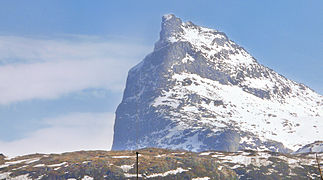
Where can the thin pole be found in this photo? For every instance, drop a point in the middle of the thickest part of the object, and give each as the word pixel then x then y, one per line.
pixel 137 109
pixel 319 166
pixel 137 162
pixel 137 128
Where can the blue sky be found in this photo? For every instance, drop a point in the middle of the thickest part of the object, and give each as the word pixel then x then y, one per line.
pixel 63 64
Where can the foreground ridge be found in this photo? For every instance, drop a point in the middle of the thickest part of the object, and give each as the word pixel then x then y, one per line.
pixel 161 164
pixel 198 90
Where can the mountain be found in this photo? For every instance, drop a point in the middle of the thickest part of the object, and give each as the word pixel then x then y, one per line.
pixel 198 90
pixel 161 164
pixel 315 147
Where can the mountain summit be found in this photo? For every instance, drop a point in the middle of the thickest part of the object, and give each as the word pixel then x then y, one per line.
pixel 198 90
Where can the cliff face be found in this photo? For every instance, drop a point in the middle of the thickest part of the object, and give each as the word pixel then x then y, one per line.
pixel 198 90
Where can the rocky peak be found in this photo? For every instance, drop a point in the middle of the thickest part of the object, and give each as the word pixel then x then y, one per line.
pixel 170 26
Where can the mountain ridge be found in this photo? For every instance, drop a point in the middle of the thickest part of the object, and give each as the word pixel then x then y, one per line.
pixel 168 17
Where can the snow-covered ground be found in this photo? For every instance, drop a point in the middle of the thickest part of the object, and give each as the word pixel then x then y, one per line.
pixel 293 124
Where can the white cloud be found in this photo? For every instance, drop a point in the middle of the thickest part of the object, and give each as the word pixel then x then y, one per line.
pixel 53 68
pixel 73 132
pixel 26 49
pixel 48 68
pixel 53 79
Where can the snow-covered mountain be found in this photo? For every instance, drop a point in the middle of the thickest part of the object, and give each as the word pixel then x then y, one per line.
pixel 315 147
pixel 199 90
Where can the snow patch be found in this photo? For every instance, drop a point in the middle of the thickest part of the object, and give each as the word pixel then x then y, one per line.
pixel 40 165
pixel 21 177
pixel 187 59
pixel 168 16
pixel 171 172
pixel 126 168
pixel 132 175
pixel 87 178
pixel 201 178
pixel 56 165
pixel 260 159
pixel 205 153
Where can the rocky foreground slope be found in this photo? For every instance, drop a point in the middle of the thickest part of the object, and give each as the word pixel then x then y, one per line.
pixel 198 90
pixel 161 164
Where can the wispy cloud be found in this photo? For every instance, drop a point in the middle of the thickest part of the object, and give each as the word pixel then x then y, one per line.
pixel 53 79
pixel 70 47
pixel 73 132
pixel 49 68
